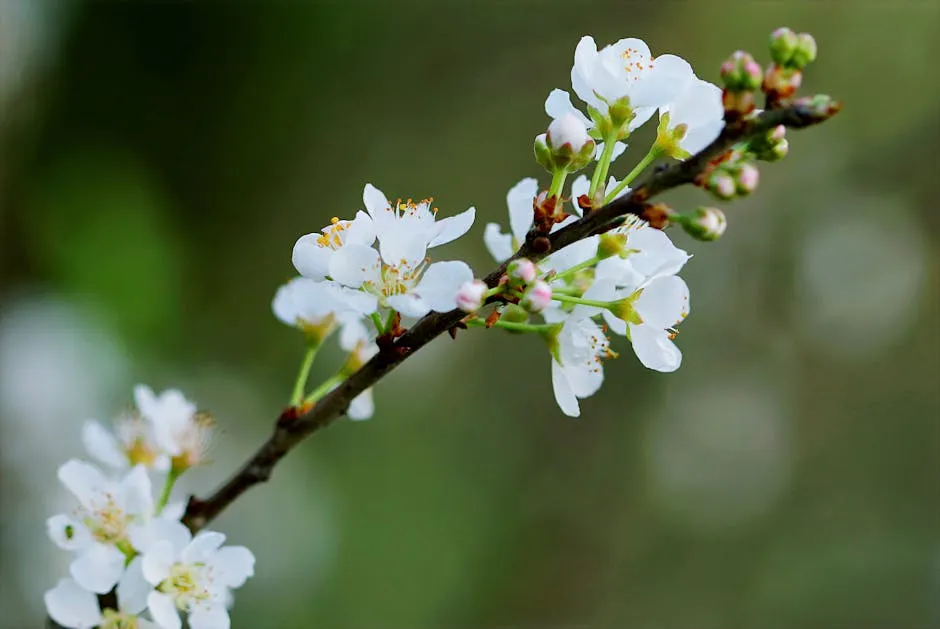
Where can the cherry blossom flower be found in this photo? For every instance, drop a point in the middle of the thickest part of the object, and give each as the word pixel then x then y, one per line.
pixel 318 307
pixel 98 530
pixel 577 370
pixel 312 252
pixel 74 607
pixel 179 429
pixel 193 575
pixel 133 442
pixel 692 121
pixel 625 69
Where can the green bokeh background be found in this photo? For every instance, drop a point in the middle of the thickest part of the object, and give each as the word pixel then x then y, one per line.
pixel 157 162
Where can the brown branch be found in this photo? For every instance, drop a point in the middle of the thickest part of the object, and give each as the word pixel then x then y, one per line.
pixel 294 425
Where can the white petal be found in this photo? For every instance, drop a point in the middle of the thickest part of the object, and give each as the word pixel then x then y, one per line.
pixel 453 227
pixel 619 148
pixel 440 283
pixel 409 304
pixel 497 243
pixel 616 325
pixel 603 289
pixel 84 480
pixel 656 255
pixel 361 230
pixel 102 445
pixel 564 395
pixel 405 243
pixel 354 264
pixel 215 617
pixel 362 406
pixel 612 183
pixel 585 59
pixel 174 510
pixel 232 565
pixel 157 561
pixel 383 216
pixel 204 544
pixel 579 187
pixel 654 349
pixel 521 213
pixel 163 610
pixel 309 258
pixel 620 270
pixel 352 333
pixel 166 529
pixel 98 568
pixel 72 606
pixel 558 105
pixel 669 78
pixel 133 589
pixel 67 533
pixel 664 302
pixel 136 494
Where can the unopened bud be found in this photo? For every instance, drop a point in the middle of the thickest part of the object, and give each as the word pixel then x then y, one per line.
pixel 777 134
pixel 543 154
pixel 805 51
pixel 567 130
pixel 777 152
pixel 611 244
pixel 781 82
pixel 523 270
pixel 740 73
pixel 783 44
pixel 538 297
pixel 747 179
pixel 705 223
pixel 721 184
pixel 736 104
pixel 821 106
pixel 470 296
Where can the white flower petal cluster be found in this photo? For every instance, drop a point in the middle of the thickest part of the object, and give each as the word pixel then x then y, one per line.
pixel 646 298
pixel 117 521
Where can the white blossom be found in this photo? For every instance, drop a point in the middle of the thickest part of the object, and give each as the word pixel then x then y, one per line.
pixel 577 369
pixel 133 442
pixel 318 307
pixel 312 252
pixel 183 433
pixel 623 69
pixel 697 114
pixel 98 530
pixel 193 575
pixel 72 606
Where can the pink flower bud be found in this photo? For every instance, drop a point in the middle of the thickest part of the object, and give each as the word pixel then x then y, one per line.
pixel 523 270
pixel 470 296
pixel 748 177
pixel 721 184
pixel 779 132
pixel 538 297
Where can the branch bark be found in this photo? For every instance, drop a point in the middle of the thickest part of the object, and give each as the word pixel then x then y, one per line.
pixel 295 425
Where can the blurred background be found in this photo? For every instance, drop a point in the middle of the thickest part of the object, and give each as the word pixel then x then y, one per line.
pixel 157 163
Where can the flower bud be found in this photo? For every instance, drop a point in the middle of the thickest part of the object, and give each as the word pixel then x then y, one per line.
pixel 611 244
pixel 522 270
pixel 538 297
pixel 783 44
pixel 740 73
pixel 543 154
pixel 777 134
pixel 567 130
pixel 705 223
pixel 777 152
pixel 805 51
pixel 470 295
pixel 736 104
pixel 721 184
pixel 781 82
pixel 822 106
pixel 747 179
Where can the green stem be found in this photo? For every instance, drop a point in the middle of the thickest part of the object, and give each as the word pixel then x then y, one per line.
pixel 603 165
pixel 377 322
pixel 574 269
pixel 513 326
pixel 578 300
pixel 390 319
pixel 301 381
pixel 496 290
pixel 325 387
pixel 654 154
pixel 558 183
pixel 171 477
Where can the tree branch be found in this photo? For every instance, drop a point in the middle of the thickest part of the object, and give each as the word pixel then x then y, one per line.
pixel 295 425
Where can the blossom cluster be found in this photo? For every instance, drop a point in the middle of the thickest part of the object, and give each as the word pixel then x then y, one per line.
pixel 361 275
pixel 124 539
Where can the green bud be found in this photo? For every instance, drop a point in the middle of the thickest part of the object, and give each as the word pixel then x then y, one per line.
pixel 543 155
pixel 740 73
pixel 514 314
pixel 805 52
pixel 705 223
pixel 783 44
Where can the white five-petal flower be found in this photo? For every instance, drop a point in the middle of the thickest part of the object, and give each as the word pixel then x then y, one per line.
pixel 699 111
pixel 182 432
pixel 98 531
pixel 193 575
pixel 72 606
pixel 577 369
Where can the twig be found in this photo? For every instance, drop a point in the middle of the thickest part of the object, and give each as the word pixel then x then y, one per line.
pixel 295 425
